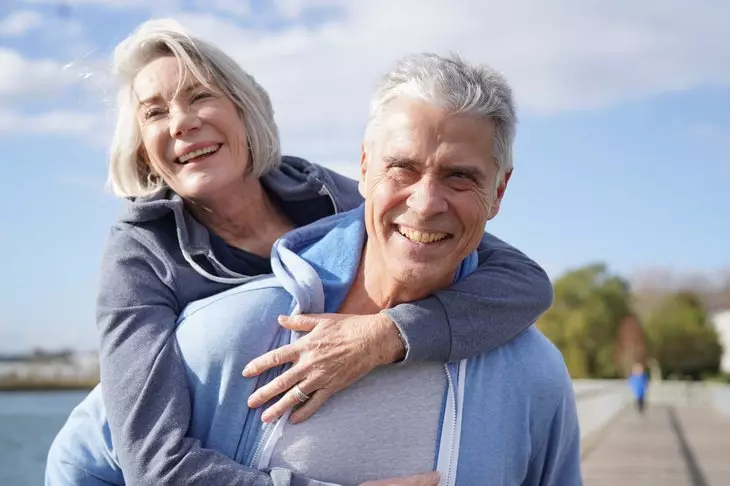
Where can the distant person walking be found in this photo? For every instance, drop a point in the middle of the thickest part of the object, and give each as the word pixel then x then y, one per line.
pixel 639 382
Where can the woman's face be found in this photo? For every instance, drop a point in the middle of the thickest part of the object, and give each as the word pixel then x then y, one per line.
pixel 196 141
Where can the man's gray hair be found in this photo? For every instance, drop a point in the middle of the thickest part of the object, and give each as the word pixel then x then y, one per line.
pixel 129 174
pixel 456 86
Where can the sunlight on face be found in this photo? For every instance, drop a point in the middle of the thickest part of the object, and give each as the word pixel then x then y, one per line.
pixel 195 141
pixel 428 179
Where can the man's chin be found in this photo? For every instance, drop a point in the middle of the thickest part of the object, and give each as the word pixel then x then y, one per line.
pixel 421 276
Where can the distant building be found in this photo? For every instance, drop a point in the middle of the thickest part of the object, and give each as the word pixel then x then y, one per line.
pixel 62 367
pixel 721 322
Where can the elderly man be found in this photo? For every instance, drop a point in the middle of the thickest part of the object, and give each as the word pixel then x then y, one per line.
pixel 436 160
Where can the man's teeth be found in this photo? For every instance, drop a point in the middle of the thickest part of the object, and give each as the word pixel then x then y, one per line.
pixel 422 236
pixel 197 153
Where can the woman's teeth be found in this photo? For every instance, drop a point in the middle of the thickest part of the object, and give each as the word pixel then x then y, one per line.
pixel 197 153
pixel 422 236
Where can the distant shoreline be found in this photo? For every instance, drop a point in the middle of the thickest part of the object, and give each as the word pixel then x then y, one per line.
pixel 46 385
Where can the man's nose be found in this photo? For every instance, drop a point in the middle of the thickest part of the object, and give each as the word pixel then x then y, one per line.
pixel 427 198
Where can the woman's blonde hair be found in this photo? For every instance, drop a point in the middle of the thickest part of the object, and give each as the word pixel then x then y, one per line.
pixel 129 174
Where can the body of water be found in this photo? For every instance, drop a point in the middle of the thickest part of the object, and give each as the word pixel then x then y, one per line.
pixel 28 423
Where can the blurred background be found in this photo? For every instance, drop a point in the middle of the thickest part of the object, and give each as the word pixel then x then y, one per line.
pixel 621 190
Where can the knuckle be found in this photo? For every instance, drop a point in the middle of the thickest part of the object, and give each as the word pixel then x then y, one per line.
pixel 275 356
pixel 279 356
pixel 276 385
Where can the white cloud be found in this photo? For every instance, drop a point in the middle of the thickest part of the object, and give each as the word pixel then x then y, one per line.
pixel 52 123
pixel 236 7
pixel 292 9
pixel 20 22
pixel 21 76
pixel 558 54
pixel 103 3
pixel 349 169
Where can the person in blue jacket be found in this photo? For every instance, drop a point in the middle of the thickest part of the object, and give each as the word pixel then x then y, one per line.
pixel 435 164
pixel 639 383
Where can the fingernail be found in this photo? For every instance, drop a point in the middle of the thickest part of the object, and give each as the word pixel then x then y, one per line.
pixel 245 371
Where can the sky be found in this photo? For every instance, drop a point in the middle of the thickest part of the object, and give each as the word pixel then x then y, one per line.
pixel 622 153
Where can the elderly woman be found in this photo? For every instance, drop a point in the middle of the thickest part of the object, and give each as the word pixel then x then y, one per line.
pixel 197 154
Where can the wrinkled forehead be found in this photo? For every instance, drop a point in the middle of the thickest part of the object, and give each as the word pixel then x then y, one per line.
pixel 417 130
pixel 165 78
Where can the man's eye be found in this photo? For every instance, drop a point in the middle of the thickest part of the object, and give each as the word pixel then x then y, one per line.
pixel 462 175
pixel 402 167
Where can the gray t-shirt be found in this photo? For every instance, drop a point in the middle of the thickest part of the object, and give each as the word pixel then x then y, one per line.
pixel 385 425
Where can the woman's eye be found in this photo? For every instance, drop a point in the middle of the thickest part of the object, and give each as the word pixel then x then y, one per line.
pixel 153 113
pixel 200 96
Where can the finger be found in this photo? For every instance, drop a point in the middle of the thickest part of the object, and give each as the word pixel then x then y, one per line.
pixel 316 400
pixel 275 387
pixel 275 357
pixel 427 479
pixel 287 402
pixel 299 322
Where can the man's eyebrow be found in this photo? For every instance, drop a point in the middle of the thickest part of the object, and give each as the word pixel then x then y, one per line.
pixel 469 170
pixel 400 159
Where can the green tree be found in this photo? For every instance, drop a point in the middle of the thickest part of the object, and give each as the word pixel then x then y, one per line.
pixel 583 322
pixel 682 339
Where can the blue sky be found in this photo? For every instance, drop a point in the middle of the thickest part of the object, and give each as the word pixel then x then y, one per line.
pixel 623 149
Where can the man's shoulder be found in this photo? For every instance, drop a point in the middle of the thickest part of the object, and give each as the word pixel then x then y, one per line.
pixel 258 290
pixel 537 364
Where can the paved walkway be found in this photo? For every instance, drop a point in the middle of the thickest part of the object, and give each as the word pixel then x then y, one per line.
pixel 667 446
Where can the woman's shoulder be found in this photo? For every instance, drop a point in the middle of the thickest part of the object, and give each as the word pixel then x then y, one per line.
pixel 299 179
pixel 139 254
pixel 144 238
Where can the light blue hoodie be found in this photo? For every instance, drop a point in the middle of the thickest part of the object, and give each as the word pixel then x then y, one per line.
pixel 509 415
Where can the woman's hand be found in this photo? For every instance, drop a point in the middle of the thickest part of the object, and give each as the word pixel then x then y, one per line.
pixel 339 350
pixel 428 479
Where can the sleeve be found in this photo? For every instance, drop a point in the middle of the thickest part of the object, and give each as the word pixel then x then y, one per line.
pixel 557 463
pixel 145 388
pixel 505 295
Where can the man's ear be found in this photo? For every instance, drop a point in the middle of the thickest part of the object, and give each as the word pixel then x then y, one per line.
pixel 500 194
pixel 363 170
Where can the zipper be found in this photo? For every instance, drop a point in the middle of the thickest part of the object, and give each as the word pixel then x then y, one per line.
pixel 453 425
pixel 264 438
pixel 268 428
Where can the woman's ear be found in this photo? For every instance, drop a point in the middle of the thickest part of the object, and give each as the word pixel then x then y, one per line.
pixel 142 155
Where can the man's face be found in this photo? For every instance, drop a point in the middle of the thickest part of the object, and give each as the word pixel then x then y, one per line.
pixel 428 179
